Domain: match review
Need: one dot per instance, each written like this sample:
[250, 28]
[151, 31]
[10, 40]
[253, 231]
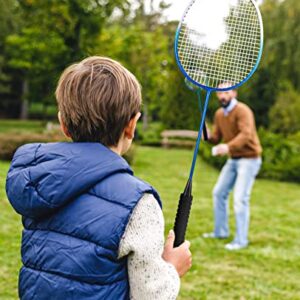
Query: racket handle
[205, 136]
[183, 213]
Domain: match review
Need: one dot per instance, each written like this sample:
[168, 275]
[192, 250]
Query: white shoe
[234, 246]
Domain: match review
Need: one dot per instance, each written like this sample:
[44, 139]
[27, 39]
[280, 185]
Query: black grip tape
[182, 217]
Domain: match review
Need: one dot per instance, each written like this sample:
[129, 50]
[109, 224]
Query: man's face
[225, 97]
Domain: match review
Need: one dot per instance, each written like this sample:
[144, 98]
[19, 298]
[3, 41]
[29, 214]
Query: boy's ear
[62, 126]
[130, 128]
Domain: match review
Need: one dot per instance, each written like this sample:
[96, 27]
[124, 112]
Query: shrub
[11, 141]
[281, 158]
[205, 152]
[284, 115]
[151, 136]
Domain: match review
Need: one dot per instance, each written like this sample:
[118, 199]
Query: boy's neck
[117, 149]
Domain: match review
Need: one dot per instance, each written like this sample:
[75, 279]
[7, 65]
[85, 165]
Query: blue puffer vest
[76, 200]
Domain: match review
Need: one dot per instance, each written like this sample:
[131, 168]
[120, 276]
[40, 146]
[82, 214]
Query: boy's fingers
[187, 244]
[170, 240]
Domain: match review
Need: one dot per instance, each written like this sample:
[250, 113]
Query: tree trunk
[25, 102]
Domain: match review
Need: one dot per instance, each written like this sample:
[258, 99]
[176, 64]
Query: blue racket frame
[219, 89]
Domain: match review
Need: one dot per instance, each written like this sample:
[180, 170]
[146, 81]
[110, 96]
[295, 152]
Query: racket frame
[185, 201]
[227, 88]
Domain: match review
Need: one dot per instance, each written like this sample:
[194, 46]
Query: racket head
[219, 42]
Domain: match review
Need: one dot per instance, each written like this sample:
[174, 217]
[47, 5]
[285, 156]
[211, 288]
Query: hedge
[11, 141]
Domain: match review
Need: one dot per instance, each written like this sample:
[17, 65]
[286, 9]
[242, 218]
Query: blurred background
[40, 38]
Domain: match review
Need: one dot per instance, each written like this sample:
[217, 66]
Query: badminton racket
[218, 46]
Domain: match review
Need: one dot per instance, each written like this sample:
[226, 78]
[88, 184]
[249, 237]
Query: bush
[151, 136]
[10, 142]
[205, 152]
[281, 160]
[40, 111]
[284, 115]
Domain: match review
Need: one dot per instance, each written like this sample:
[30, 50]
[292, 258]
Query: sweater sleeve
[150, 276]
[245, 127]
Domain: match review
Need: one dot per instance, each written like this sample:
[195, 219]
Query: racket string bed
[234, 58]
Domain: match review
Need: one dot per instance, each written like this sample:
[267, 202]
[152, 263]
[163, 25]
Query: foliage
[9, 143]
[51, 35]
[38, 39]
[8, 25]
[14, 134]
[253, 273]
[284, 115]
[206, 154]
[140, 43]
[281, 159]
[151, 135]
[181, 110]
[280, 57]
[39, 111]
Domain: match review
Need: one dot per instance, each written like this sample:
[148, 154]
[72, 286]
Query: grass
[268, 269]
[10, 236]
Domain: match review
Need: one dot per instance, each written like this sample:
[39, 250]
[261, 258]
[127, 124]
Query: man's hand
[180, 257]
[208, 133]
[221, 149]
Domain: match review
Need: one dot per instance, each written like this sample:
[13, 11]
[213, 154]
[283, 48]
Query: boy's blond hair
[97, 98]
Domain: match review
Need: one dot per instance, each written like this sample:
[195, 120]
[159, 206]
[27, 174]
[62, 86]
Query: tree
[280, 60]
[284, 115]
[8, 25]
[53, 34]
[139, 41]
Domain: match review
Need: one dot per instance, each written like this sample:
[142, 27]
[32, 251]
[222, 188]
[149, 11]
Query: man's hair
[97, 98]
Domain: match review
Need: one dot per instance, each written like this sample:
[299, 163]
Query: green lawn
[10, 235]
[268, 269]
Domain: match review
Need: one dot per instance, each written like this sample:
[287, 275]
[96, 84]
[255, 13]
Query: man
[234, 125]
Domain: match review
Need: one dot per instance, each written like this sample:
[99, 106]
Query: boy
[91, 229]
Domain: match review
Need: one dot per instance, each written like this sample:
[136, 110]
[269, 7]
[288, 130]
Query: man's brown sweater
[238, 131]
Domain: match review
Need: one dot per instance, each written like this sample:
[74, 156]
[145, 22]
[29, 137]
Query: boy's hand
[180, 257]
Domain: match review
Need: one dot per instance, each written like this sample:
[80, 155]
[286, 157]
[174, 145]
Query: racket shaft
[182, 218]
